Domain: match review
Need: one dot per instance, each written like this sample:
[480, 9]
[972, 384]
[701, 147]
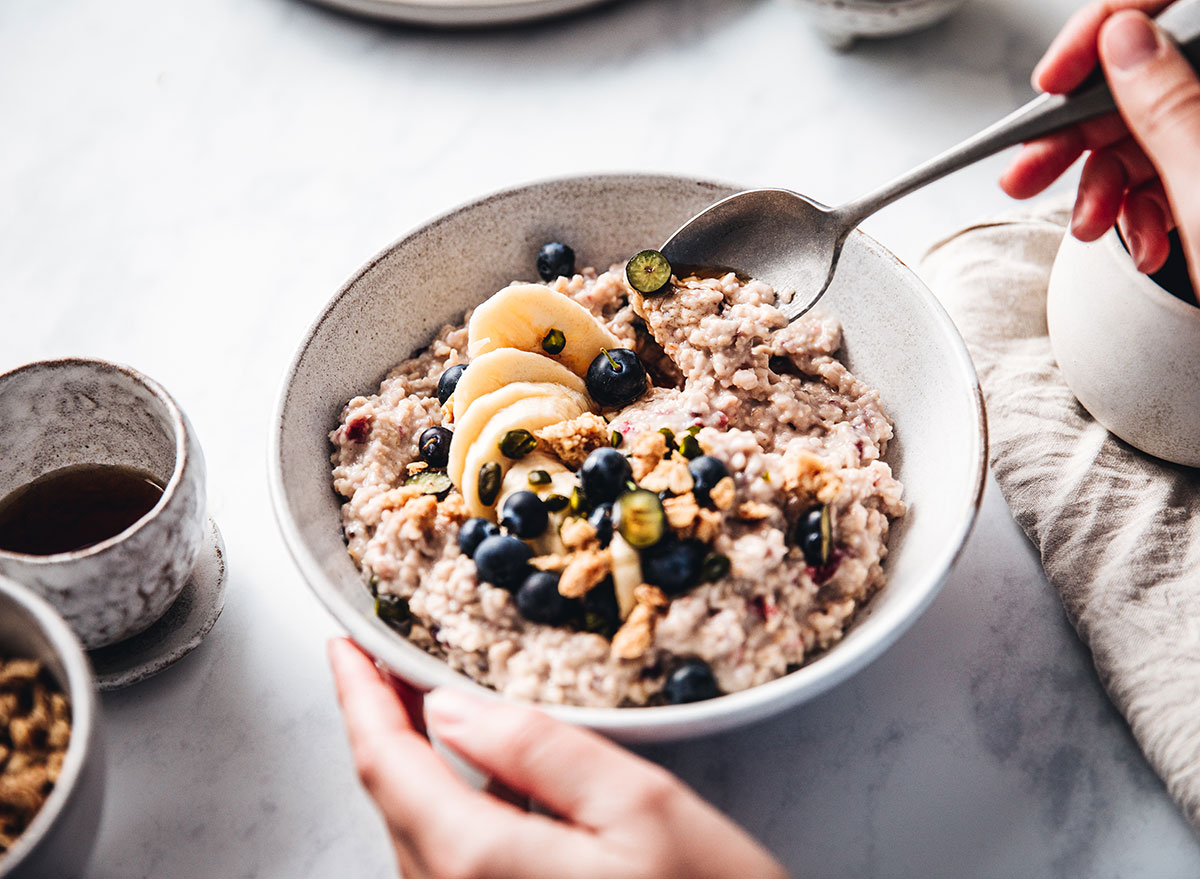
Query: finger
[574, 772]
[396, 764]
[439, 825]
[1072, 54]
[1159, 96]
[1102, 186]
[1144, 227]
[1041, 162]
[410, 697]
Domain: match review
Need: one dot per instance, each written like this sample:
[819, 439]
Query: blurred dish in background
[842, 22]
[460, 13]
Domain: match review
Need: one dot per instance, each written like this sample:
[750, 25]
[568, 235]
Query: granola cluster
[35, 728]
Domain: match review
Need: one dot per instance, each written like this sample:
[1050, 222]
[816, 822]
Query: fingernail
[1076, 216]
[449, 706]
[1136, 249]
[1130, 41]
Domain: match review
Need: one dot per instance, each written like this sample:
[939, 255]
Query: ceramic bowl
[897, 338]
[59, 413]
[1128, 349]
[842, 22]
[59, 840]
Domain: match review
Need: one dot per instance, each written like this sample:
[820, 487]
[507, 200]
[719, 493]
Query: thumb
[1158, 94]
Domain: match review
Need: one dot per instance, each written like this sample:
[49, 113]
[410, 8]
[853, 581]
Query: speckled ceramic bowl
[59, 840]
[897, 338]
[59, 413]
[842, 22]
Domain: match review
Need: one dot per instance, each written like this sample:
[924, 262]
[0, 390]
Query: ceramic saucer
[177, 632]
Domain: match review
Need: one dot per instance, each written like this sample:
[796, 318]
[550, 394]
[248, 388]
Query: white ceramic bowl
[1128, 349]
[58, 842]
[841, 22]
[897, 338]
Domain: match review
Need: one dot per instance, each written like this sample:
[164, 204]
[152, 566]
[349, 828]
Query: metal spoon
[793, 243]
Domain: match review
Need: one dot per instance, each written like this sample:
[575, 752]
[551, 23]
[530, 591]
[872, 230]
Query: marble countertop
[182, 186]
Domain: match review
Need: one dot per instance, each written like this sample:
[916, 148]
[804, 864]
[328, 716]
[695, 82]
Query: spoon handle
[1043, 115]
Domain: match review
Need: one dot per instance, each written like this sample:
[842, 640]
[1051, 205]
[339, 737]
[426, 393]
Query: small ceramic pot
[1128, 349]
[59, 840]
[60, 413]
[841, 22]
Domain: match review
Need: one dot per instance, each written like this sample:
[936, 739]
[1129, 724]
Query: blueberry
[814, 534]
[706, 472]
[524, 515]
[601, 614]
[539, 600]
[616, 377]
[449, 381]
[674, 565]
[473, 533]
[648, 272]
[639, 517]
[434, 445]
[555, 259]
[604, 474]
[691, 681]
[503, 561]
[601, 520]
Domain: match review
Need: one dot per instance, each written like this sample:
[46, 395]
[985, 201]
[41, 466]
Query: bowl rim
[82, 691]
[647, 723]
[1146, 286]
[170, 489]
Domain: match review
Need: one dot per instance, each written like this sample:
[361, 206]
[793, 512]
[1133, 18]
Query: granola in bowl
[626, 497]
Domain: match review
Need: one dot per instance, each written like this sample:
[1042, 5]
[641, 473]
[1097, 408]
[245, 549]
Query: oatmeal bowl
[520, 452]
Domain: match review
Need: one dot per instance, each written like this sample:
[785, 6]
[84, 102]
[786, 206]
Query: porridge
[620, 488]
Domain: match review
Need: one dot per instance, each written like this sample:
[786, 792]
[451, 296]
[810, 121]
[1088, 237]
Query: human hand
[1143, 162]
[621, 817]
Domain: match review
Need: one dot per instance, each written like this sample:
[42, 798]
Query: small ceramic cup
[61, 413]
[841, 23]
[1128, 349]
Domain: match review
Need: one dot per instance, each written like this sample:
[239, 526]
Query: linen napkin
[1118, 531]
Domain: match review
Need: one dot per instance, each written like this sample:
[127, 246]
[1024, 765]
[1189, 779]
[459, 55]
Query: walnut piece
[670, 474]
[648, 450]
[681, 511]
[577, 533]
[584, 571]
[723, 493]
[572, 441]
[636, 635]
[808, 477]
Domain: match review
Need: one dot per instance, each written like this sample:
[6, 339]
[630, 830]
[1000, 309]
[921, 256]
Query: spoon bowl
[777, 236]
[794, 243]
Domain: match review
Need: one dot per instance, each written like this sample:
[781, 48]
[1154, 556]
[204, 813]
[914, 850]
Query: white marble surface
[183, 185]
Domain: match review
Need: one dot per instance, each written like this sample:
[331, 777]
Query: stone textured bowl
[842, 22]
[896, 337]
[1128, 349]
[59, 413]
[59, 840]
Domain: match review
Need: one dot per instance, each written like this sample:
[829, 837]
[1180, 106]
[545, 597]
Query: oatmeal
[625, 498]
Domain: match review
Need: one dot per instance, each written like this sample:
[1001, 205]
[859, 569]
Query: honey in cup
[102, 495]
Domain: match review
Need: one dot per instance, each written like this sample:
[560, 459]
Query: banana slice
[531, 414]
[522, 315]
[495, 369]
[562, 481]
[469, 425]
[626, 573]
